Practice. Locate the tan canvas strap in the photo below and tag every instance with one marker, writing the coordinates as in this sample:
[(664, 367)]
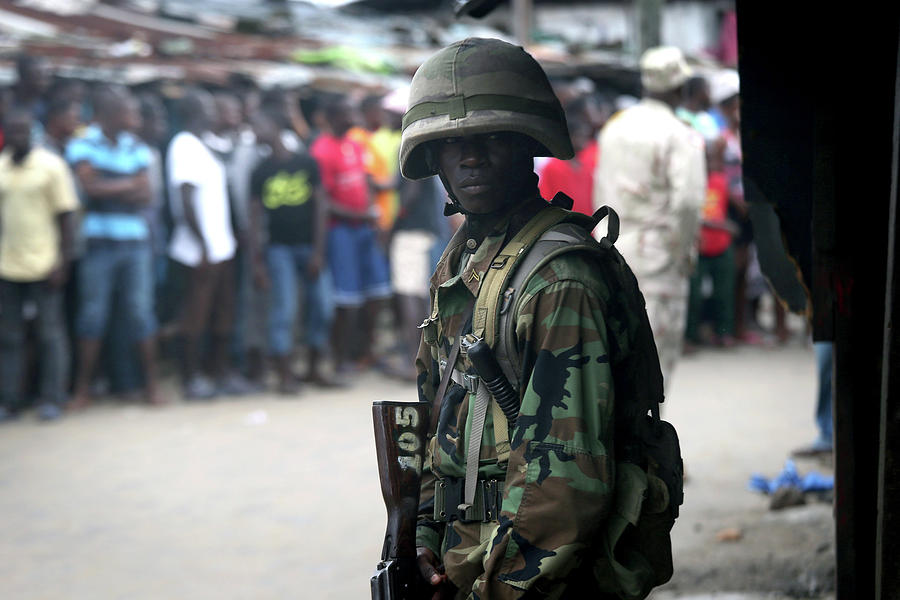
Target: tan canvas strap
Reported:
[(494, 284), (562, 236), (501, 433)]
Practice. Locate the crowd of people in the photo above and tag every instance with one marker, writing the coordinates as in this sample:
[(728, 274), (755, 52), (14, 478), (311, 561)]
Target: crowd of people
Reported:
[(233, 231), (225, 231)]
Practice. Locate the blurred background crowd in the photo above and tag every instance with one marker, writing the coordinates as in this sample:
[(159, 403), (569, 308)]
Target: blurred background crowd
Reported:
[(241, 236)]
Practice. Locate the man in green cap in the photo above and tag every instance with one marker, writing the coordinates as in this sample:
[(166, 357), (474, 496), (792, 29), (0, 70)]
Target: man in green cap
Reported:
[(513, 505)]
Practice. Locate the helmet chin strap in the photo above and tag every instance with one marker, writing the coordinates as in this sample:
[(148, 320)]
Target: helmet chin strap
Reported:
[(454, 207)]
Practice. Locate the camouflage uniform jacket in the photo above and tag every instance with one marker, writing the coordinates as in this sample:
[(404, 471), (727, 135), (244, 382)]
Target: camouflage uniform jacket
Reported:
[(558, 480)]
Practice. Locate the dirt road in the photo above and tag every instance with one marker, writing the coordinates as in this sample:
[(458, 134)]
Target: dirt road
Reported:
[(269, 498)]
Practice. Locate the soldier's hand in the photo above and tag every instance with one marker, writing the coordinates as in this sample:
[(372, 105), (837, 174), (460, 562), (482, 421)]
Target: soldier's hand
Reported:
[(432, 571), (430, 566)]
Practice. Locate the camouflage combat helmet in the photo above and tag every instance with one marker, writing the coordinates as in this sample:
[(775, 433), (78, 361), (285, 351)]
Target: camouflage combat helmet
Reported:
[(478, 86)]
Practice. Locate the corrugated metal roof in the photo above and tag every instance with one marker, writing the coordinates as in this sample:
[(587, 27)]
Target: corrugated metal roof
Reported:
[(101, 42)]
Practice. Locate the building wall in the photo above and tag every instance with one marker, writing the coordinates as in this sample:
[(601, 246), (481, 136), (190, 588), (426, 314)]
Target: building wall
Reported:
[(691, 25)]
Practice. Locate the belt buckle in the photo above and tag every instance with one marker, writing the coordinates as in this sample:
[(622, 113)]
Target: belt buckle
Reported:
[(470, 382), (485, 508), (447, 499)]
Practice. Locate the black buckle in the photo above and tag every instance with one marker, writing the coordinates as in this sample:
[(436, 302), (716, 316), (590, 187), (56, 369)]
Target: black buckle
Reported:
[(488, 501), (492, 500)]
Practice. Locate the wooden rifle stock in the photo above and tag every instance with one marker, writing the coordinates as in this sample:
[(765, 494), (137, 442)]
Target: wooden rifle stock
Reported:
[(400, 433)]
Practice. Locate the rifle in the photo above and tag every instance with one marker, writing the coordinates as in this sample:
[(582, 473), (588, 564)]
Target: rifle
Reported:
[(400, 430)]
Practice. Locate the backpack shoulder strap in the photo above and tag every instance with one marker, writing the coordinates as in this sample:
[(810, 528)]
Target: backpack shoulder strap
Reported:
[(571, 234), (552, 233), (488, 303)]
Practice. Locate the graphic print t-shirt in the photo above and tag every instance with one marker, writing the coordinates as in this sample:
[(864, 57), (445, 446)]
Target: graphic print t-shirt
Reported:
[(286, 189)]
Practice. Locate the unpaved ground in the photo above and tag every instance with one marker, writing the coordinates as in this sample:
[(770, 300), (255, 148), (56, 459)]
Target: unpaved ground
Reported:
[(740, 413), (267, 498)]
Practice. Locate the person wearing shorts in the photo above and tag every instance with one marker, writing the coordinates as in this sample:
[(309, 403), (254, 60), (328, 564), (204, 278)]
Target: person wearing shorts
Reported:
[(355, 256), (202, 249), (416, 232)]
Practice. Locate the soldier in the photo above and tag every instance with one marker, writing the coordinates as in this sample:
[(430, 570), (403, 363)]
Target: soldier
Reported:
[(480, 111), (652, 171)]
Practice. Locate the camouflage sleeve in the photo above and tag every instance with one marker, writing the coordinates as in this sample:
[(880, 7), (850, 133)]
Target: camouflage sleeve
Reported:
[(428, 531), (558, 483)]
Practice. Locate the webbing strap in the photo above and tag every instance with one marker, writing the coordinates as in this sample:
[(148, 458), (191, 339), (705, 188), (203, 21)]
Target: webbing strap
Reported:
[(501, 424), (482, 399), (501, 433), (573, 234), (459, 106)]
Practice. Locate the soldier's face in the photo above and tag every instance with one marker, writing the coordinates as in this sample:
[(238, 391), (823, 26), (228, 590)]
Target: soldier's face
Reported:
[(482, 170)]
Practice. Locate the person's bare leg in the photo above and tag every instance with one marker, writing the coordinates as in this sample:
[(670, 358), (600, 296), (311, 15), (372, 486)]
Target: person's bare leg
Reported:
[(219, 356), (313, 370), (371, 311), (88, 350), (315, 375), (190, 365), (256, 370), (147, 352), (288, 384)]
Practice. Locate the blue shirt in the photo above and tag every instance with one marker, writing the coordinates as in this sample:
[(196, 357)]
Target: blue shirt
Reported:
[(111, 218)]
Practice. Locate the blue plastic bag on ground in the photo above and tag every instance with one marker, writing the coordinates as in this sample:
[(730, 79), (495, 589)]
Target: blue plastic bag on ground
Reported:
[(811, 482)]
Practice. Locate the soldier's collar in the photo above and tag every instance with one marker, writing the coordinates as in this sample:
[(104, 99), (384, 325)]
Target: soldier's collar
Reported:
[(478, 229), (483, 254)]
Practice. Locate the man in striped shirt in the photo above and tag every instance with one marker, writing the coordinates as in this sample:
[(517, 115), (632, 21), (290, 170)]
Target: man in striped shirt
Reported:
[(111, 166)]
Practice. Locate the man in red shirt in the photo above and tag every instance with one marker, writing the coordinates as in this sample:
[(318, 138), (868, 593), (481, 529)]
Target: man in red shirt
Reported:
[(575, 177), (715, 257), (358, 264)]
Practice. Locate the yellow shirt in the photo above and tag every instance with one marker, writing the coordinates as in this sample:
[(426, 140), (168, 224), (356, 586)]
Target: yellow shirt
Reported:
[(380, 166), (32, 195)]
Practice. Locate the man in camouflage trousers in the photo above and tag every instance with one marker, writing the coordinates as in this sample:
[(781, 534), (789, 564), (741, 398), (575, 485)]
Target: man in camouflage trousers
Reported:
[(652, 172), (480, 110)]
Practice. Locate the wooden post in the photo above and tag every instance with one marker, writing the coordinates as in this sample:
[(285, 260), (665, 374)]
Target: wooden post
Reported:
[(649, 17), (523, 20)]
